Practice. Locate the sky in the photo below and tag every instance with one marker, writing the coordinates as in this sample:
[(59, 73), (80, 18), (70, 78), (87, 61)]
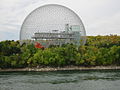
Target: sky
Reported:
[(100, 17)]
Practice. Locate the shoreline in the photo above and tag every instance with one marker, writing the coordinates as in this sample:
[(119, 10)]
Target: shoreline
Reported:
[(63, 68)]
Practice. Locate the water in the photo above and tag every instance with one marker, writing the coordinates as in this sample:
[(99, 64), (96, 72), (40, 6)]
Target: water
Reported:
[(61, 80)]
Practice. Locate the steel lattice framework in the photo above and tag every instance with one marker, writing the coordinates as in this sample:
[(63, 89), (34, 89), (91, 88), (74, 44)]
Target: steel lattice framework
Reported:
[(53, 24)]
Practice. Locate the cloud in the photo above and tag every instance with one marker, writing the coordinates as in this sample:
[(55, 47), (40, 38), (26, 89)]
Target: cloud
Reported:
[(99, 16), (12, 14)]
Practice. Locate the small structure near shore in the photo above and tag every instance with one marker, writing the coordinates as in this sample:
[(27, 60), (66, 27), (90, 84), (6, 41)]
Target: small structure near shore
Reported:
[(53, 25)]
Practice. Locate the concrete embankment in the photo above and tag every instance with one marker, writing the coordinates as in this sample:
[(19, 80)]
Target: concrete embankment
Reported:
[(65, 68)]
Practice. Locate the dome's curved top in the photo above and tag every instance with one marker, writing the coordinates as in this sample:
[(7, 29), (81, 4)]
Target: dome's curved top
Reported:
[(47, 18)]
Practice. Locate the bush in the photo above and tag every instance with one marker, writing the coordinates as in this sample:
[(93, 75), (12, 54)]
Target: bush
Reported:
[(99, 50)]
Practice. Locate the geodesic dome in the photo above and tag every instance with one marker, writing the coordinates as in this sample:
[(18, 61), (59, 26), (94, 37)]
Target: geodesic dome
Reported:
[(53, 22)]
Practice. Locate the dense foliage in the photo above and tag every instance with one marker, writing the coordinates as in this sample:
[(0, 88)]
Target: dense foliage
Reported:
[(99, 50)]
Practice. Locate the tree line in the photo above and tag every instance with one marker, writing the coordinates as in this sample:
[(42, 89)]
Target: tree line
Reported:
[(98, 51)]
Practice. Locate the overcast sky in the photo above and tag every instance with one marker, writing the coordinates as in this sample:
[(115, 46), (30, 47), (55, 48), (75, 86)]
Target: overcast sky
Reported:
[(100, 17)]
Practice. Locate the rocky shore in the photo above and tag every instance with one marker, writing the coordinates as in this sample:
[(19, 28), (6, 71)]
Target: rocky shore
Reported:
[(64, 68)]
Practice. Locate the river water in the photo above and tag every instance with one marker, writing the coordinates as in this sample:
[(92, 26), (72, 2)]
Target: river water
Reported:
[(61, 80)]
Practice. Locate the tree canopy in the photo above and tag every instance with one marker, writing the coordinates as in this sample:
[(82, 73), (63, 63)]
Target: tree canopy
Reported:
[(98, 51)]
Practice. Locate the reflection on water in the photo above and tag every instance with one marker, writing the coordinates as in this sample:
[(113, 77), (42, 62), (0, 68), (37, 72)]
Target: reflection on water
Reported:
[(61, 80)]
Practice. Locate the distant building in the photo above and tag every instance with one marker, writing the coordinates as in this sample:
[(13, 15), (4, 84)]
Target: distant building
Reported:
[(70, 35), (53, 25)]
